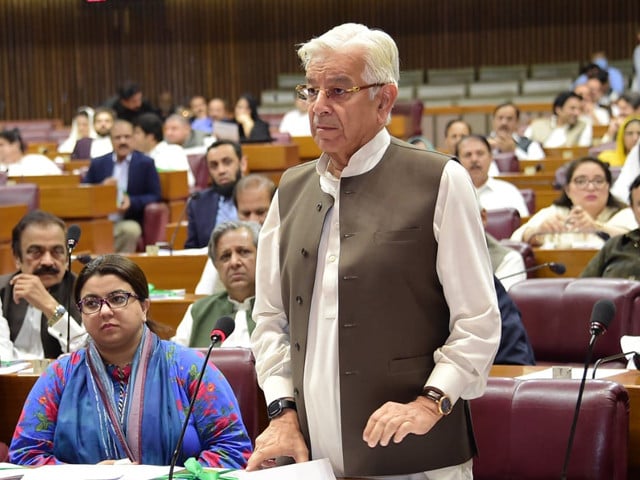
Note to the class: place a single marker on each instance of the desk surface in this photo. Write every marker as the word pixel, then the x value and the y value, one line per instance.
pixel 575 259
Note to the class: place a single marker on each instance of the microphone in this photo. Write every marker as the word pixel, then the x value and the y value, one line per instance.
pixel 601 316
pixel 223 327
pixel 618 356
pixel 172 242
pixel 555 267
pixel 73 237
pixel 84 259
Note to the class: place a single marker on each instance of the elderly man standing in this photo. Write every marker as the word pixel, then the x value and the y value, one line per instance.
pixel 376 314
pixel 34 299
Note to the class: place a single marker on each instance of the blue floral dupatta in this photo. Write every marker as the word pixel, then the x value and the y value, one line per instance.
pixel 89 427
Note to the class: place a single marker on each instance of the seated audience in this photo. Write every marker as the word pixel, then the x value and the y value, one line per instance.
pixel 147 138
pixel 564 128
pixel 627 137
pixel 232 249
pixel 252 197
pixel 296 122
pixel 86 148
pixel 218 111
pixel 421 142
pixel 629 171
pixel 166 105
pixel 251 127
pixel 585 209
pixel 454 130
pixel 626 105
pixel 14 161
pixel 619 258
pixel 177 131
pixel 81 127
pixel 34 299
pixel 592 113
pixel 136 180
pixel 504 137
pixel 199 118
pixel 474 153
pixel 215 205
pixel 124 396
pixel 615 78
pixel 128 103
pixel 515 348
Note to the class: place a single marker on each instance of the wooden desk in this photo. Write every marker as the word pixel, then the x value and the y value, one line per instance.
pixel 566 153
pixel 174 185
pixel 169 312
pixel 545 197
pixel 546 165
pixel 539 181
pixel 271 160
pixel 180 234
pixel 75 166
pixel 172 271
pixel 65 180
pixel 575 259
pixel 307 148
pixel 10 215
pixel 630 380
pixel 81 201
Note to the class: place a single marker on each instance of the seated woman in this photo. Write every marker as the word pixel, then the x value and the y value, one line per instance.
pixel 586 209
pixel 619 257
pixel 125 394
pixel 251 127
pixel 81 127
pixel 627 136
pixel 16 163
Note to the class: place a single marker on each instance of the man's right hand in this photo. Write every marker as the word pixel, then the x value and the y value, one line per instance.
pixel 282 438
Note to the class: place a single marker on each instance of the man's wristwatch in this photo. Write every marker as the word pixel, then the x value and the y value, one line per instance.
pixel 276 407
pixel 57 315
pixel 441 400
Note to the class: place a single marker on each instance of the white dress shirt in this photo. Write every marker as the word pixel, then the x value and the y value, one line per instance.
pixel 463 266
pixel 171 158
pixel 495 194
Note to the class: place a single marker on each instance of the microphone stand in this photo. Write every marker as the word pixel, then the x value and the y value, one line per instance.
pixel 69 302
pixel 576 412
pixel 176 452
pixel 183 213
pixel 611 358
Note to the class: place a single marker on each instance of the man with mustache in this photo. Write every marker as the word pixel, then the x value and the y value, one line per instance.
pixel 215 205
pixel 504 138
pixel 34 299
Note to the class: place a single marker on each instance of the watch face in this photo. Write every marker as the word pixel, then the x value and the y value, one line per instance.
pixel 274 409
pixel 445 405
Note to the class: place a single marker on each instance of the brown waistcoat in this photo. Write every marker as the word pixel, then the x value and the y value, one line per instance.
pixel 392 311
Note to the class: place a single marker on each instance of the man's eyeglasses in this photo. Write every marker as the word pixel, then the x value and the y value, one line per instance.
pixel 583 182
pixel 338 94
pixel 115 300
pixel 35 252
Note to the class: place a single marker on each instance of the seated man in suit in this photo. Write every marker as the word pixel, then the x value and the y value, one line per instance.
pixel 34 319
pixel 177 131
pixel 232 248
pixel 252 198
pixel 136 179
pixel 215 205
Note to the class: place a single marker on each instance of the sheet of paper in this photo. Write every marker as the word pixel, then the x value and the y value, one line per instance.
pixel 576 373
pixel 8 471
pixel 313 470
pixel 96 472
pixel 629 343
pixel 14 367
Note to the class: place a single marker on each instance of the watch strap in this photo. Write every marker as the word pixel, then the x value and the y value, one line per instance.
pixel 276 407
pixel 58 313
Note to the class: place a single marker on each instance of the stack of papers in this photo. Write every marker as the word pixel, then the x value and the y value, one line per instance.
pixel 7 368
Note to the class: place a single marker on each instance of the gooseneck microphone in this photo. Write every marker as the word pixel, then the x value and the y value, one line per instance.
pixel 73 237
pixel 555 267
pixel 601 316
pixel 172 242
pixel 613 358
pixel 223 327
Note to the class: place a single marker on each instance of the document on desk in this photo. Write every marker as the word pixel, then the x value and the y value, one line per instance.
pixel 9 471
pixel 313 470
pixel 95 472
pixel 576 373
pixel 8 368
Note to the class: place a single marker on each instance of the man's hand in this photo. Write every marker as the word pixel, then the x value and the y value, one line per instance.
pixel 110 181
pixel 503 141
pixel 397 420
pixel 124 204
pixel 30 288
pixel 282 438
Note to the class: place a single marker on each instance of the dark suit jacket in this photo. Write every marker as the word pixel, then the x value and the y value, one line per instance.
pixel 201 213
pixel 143 186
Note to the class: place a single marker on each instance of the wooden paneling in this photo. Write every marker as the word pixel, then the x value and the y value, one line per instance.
pixel 56 55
